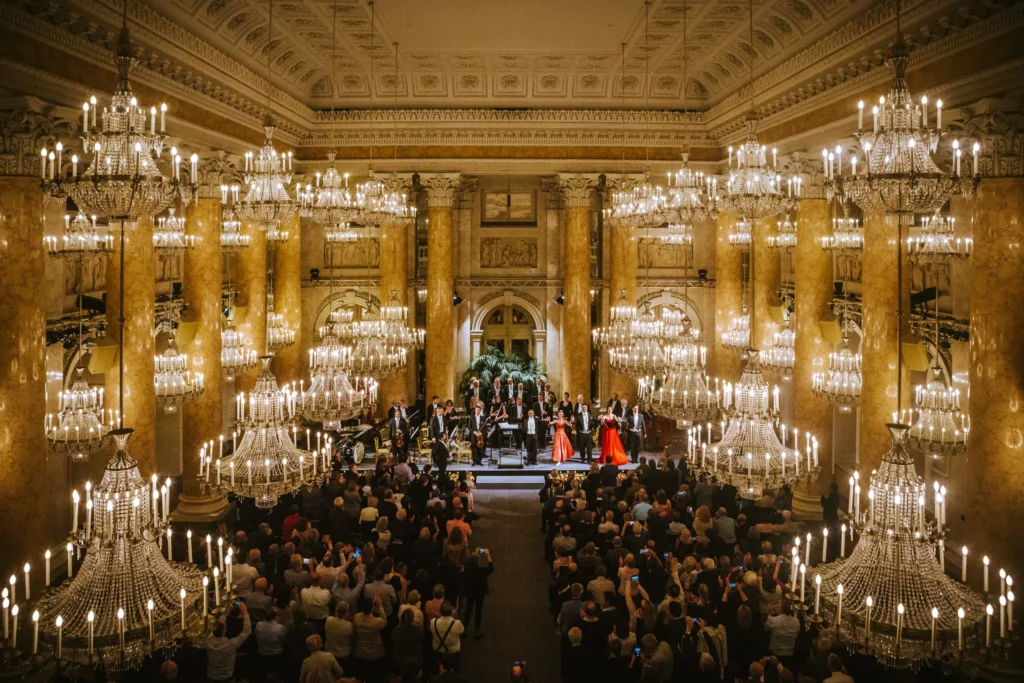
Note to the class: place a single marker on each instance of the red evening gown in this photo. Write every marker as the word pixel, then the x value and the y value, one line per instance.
pixel 610 442
pixel 561 446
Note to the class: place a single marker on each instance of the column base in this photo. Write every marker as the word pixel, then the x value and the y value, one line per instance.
pixel 201 509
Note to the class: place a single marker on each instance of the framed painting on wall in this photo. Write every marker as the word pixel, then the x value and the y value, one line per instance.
pixel 508 207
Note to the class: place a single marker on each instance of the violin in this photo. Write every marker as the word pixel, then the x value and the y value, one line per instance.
pixel 400 439
pixel 479 439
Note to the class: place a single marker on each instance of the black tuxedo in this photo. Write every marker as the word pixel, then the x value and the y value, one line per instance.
pixel 584 435
pixel 394 428
pixel 438 452
pixel 508 392
pixel 477 424
pixel 635 431
pixel 616 407
pixel 472 395
pixel 543 412
pixel 531 439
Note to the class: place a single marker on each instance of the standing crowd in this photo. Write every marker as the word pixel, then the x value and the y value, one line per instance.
pixel 659 575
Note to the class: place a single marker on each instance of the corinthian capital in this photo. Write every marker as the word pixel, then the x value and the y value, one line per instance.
pixel 576 187
pixel 442 188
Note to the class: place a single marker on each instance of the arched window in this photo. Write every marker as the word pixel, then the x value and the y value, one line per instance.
pixel 509 329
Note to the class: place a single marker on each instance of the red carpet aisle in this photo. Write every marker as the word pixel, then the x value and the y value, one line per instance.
pixel 517 624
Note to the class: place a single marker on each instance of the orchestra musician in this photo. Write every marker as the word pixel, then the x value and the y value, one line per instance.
pixel 542 410
pixel 529 429
pixel 517 415
pixel 584 425
pixel 478 433
pixel 636 430
pixel 498 414
pixel 398 431
pixel 439 441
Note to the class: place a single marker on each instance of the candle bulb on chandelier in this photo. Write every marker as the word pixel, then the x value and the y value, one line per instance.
pixel 963 564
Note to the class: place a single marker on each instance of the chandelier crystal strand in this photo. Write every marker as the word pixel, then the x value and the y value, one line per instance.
pixel 898 175
pixel 169 238
pixel 236 357
pixel 266 463
pixel 750 455
pixel 175 383
pixel 840 385
pixel 231 238
pixel 894 564
pixel 123 569
pixel 121 180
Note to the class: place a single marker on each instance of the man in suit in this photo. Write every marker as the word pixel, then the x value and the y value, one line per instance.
pixel 609 473
pixel 636 430
pixel 477 427
pixel 495 390
pixel 615 405
pixel 472 395
pixel 579 403
pixel 584 437
pixel 542 409
pixel 521 392
pixel 517 414
pixel 398 425
pixel 530 429
pixel 538 389
pixel 510 391
pixel 438 435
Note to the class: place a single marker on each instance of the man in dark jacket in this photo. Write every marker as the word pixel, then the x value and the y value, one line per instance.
pixel 474 586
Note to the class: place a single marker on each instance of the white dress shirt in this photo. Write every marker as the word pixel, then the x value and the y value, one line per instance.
pixel 529 425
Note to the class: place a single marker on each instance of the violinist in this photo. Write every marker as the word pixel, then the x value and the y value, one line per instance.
pixel 478 433
pixel 498 414
pixel 398 432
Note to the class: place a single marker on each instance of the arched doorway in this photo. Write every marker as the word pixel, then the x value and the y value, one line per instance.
pixel 509 328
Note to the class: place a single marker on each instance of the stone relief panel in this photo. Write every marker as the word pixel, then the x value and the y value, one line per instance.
pixel 653 254
pixel 508 252
pixel 363 253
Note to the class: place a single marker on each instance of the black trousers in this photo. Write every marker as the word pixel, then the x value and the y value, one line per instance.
pixel 531 448
pixel 585 446
pixel 633 443
pixel 439 455
pixel 478 452
pixel 474 608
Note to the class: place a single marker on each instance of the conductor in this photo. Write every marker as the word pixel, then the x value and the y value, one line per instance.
pixel 438 441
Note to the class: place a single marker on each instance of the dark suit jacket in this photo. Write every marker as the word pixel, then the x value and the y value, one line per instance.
pixel 616 407
pixel 538 426
pixel 511 410
pixel 402 425
pixel 548 410
pixel 628 426
pixel 609 475
pixel 475 426
pixel 591 425
pixel 436 431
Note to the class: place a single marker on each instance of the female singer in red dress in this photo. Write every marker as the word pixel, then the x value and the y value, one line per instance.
pixel 561 446
pixel 610 442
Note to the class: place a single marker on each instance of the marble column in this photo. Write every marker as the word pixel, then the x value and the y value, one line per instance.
pixel 394 277
pixel 252 293
pixel 34 502
pixel 728 298
pixel 813 286
pixel 879 347
pixel 139 347
pixel 442 189
pixel 993 477
pixel 624 266
pixel 201 417
pixel 766 278
pixel 576 338
pixel 288 300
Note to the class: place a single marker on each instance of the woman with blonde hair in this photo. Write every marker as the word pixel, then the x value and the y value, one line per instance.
pixel 381 536
pixel 627 571
pixel 702 521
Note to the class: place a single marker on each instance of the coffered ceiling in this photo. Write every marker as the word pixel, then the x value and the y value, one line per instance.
pixel 522 53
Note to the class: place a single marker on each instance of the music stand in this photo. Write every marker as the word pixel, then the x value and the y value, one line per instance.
pixel 508 455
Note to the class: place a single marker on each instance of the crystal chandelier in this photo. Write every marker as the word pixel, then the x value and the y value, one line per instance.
pixel 82 239
pixel 643 356
pixel 677 234
pixel 235 356
pixel 891 591
pixel 231 238
pixel 266 464
pixel 898 175
pixel 737 337
pixel 620 328
pixel 275 235
pixel 331 394
pixel 79 428
pixel 340 233
pixel 781 356
pixel 751 456
pixel 936 241
pixel 169 238
pixel 394 318
pixel 847 238
pixel 121 181
pixel 638 204
pixel 329 202
pixel 692 195
pixel 754 189
pixel 279 335
pixel 841 384
pixel 742 235
pixel 785 238
pixel 175 383
pixel 125 600
pixel 940 428
pixel 682 395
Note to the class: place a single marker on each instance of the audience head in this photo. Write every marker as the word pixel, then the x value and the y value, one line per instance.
pixel 313 643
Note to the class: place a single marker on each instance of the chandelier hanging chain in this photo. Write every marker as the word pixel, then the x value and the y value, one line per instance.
pixel 373 25
pixel 751 86
pixel 121 320
pixel 647 88
pixel 270 40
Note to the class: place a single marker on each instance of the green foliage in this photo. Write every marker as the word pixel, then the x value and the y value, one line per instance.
pixel 493 363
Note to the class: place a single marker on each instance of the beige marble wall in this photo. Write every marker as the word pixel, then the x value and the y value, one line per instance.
pixel 813 283
pixel 728 298
pixel 992 471
pixel 394 277
pixel 201 417
pixel 139 347
pixel 252 290
pixel 440 340
pixel 576 339
pixel 35 499
pixel 879 347
pixel 288 300
pixel 623 270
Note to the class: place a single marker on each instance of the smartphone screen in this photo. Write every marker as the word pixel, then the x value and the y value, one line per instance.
pixel 636 651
